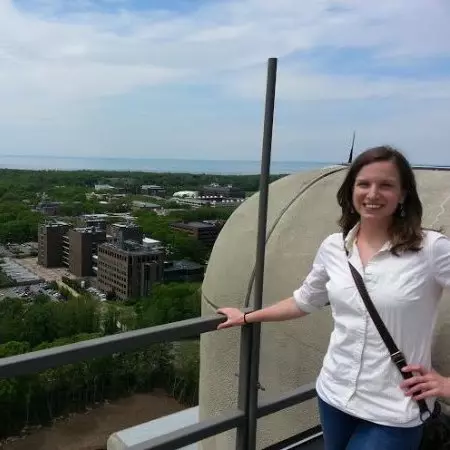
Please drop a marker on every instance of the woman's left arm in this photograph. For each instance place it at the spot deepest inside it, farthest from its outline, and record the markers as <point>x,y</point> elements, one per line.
<point>440,260</point>
<point>424,382</point>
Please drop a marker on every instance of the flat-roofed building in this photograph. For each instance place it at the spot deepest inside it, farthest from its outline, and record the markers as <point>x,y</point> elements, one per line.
<point>183,270</point>
<point>214,190</point>
<point>152,189</point>
<point>121,232</point>
<point>48,208</point>
<point>205,232</point>
<point>145,205</point>
<point>50,243</point>
<point>129,270</point>
<point>82,246</point>
<point>96,221</point>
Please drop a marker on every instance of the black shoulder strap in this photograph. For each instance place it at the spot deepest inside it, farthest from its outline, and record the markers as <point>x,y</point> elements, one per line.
<point>396,355</point>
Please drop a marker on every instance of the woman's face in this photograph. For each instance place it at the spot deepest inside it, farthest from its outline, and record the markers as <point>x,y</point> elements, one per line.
<point>377,191</point>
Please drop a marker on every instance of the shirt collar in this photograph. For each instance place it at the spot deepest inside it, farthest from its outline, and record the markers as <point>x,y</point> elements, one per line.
<point>350,241</point>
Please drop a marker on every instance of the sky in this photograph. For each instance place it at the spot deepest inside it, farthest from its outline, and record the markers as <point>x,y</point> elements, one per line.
<point>187,78</point>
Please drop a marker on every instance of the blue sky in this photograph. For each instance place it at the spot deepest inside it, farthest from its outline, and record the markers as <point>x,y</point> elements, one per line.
<point>186,78</point>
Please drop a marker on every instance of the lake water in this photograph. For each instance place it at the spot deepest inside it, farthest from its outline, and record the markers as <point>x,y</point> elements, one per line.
<point>153,165</point>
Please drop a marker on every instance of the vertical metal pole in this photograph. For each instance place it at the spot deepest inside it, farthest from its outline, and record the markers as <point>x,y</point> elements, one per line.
<point>244,384</point>
<point>260,250</point>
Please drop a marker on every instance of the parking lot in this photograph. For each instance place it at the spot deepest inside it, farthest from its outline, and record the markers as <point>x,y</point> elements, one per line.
<point>22,291</point>
<point>48,274</point>
<point>18,272</point>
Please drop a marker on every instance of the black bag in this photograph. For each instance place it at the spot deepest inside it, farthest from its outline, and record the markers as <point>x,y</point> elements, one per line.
<point>436,431</point>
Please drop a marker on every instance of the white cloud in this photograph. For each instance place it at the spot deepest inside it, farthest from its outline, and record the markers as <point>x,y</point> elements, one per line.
<point>221,36</point>
<point>296,83</point>
<point>53,64</point>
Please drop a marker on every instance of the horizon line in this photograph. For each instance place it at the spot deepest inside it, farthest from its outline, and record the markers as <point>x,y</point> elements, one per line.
<point>160,159</point>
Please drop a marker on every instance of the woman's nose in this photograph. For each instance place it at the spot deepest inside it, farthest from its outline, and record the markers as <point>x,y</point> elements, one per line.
<point>373,191</point>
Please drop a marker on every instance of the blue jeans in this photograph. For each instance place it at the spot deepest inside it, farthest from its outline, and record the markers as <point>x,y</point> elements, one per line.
<point>342,431</point>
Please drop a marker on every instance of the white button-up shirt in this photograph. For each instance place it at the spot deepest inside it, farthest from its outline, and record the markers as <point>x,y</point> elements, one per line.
<point>358,376</point>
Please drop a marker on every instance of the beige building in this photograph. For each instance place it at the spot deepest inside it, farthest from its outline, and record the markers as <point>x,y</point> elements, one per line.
<point>302,212</point>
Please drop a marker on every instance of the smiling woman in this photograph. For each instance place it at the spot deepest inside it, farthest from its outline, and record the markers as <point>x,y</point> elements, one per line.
<point>383,247</point>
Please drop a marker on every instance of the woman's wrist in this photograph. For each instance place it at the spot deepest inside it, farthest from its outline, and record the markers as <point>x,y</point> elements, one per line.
<point>245,319</point>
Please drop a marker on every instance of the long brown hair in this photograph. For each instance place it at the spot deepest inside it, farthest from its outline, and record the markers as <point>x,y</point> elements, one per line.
<point>406,228</point>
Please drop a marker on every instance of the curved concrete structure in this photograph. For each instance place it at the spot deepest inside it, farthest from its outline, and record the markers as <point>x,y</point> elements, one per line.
<point>302,212</point>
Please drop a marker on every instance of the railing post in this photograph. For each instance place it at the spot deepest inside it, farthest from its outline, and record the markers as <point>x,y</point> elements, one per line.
<point>250,344</point>
<point>244,384</point>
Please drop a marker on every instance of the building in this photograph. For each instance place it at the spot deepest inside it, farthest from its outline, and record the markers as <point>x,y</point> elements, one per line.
<point>121,232</point>
<point>205,232</point>
<point>183,270</point>
<point>48,208</point>
<point>151,243</point>
<point>145,205</point>
<point>214,190</point>
<point>104,187</point>
<point>185,194</point>
<point>94,220</point>
<point>153,190</point>
<point>80,250</point>
<point>50,243</point>
<point>209,202</point>
<point>128,270</point>
<point>211,196</point>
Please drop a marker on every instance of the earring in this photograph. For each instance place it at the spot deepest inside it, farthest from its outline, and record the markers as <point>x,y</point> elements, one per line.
<point>402,210</point>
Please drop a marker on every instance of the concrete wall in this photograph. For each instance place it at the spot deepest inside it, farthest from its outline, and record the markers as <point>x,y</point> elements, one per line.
<point>302,211</point>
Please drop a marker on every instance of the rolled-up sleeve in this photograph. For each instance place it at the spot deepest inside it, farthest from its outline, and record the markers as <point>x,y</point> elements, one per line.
<point>441,260</point>
<point>312,294</point>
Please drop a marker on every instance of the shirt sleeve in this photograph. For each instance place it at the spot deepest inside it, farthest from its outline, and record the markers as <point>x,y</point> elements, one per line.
<point>312,294</point>
<point>441,260</point>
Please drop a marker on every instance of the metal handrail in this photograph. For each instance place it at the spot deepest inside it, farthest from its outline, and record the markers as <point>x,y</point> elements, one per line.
<point>225,422</point>
<point>40,360</point>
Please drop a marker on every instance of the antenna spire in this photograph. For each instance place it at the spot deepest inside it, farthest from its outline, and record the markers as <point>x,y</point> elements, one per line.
<point>350,156</point>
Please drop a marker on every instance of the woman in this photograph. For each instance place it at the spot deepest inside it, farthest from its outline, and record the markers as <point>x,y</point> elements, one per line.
<point>364,403</point>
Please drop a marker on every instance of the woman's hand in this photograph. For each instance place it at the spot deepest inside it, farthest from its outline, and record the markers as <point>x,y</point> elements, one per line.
<point>235,317</point>
<point>425,383</point>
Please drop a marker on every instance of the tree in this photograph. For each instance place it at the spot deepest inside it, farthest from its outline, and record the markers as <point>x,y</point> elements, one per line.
<point>169,303</point>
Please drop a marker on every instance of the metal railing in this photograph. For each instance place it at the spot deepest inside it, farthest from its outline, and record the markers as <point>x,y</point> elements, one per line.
<point>37,361</point>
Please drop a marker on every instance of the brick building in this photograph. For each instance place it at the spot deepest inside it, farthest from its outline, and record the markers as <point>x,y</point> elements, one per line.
<point>50,243</point>
<point>80,248</point>
<point>205,232</point>
<point>129,270</point>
